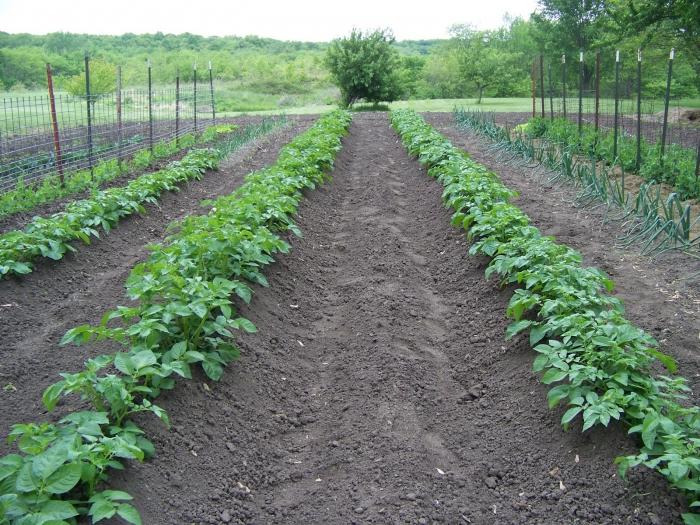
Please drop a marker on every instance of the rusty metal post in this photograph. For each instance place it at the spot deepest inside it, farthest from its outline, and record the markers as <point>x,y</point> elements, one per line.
<point>177,108</point>
<point>119,115</point>
<point>542,82</point>
<point>597,89</point>
<point>211,92</point>
<point>667,98</point>
<point>88,98</point>
<point>54,125</point>
<point>563,83</point>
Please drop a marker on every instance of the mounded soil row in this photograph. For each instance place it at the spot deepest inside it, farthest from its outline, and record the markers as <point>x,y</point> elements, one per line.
<point>36,310</point>
<point>661,295</point>
<point>379,388</point>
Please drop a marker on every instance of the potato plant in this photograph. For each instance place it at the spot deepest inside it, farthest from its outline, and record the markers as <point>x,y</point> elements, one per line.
<point>598,363</point>
<point>184,316</point>
<point>52,237</point>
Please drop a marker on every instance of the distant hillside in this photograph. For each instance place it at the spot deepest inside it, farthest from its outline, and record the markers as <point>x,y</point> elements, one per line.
<point>261,63</point>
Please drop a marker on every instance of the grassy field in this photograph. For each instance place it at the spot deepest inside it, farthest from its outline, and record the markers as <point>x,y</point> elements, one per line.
<point>487,104</point>
<point>233,99</point>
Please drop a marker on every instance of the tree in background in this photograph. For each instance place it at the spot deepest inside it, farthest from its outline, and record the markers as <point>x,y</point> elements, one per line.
<point>570,25</point>
<point>365,66</point>
<point>655,20</point>
<point>482,61</point>
<point>103,79</point>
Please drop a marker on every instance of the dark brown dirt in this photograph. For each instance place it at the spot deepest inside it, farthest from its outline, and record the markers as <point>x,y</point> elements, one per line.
<point>379,388</point>
<point>658,295</point>
<point>36,310</point>
<point>19,220</point>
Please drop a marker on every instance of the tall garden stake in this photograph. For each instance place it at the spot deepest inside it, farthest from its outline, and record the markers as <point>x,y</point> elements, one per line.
<point>211,92</point>
<point>119,114</point>
<point>580,91</point>
<point>667,98</point>
<point>194,101</point>
<point>88,99</point>
<point>563,83</point>
<point>616,120</point>
<point>150,108</point>
<point>54,125</point>
<point>639,109</point>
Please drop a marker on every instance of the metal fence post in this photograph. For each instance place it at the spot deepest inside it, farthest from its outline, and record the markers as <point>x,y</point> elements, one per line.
<point>54,125</point>
<point>550,89</point>
<point>542,82</point>
<point>666,101</point>
<point>639,109</point>
<point>697,163</point>
<point>580,90</point>
<point>533,84</point>
<point>597,89</point>
<point>563,83</point>
<point>150,108</point>
<point>119,115</point>
<point>195,97</point>
<point>617,103</point>
<point>177,108</point>
<point>211,92</point>
<point>88,98</point>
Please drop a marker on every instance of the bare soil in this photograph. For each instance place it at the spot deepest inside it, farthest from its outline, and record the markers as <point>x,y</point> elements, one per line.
<point>379,387</point>
<point>36,310</point>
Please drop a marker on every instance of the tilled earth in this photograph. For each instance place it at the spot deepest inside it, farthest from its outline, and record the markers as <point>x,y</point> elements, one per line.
<point>378,389</point>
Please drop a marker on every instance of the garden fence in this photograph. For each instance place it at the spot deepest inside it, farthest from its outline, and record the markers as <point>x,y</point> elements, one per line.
<point>618,92</point>
<point>56,133</point>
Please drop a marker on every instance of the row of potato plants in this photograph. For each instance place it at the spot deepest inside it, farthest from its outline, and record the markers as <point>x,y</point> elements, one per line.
<point>27,196</point>
<point>598,363</point>
<point>184,317</point>
<point>52,236</point>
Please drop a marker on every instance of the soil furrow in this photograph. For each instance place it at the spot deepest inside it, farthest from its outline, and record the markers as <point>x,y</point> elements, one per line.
<point>658,295</point>
<point>37,309</point>
<point>379,388</point>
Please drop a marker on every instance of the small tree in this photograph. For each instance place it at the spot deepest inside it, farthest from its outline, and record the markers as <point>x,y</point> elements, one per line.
<point>103,80</point>
<point>365,66</point>
<point>481,61</point>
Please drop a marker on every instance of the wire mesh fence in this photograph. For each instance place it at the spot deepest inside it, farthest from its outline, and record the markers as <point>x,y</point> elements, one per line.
<point>639,98</point>
<point>59,133</point>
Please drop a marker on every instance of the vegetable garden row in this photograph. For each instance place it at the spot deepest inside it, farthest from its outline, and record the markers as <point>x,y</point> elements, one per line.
<point>182,314</point>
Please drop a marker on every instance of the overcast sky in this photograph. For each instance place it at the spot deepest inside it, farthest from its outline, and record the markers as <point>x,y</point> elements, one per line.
<point>307,20</point>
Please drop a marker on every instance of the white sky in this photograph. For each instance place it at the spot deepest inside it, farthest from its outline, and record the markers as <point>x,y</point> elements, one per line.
<point>306,20</point>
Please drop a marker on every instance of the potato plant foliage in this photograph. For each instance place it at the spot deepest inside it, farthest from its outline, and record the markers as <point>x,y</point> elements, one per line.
<point>52,237</point>
<point>598,363</point>
<point>184,317</point>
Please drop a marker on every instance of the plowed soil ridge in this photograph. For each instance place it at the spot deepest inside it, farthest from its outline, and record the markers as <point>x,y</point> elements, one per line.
<point>379,388</point>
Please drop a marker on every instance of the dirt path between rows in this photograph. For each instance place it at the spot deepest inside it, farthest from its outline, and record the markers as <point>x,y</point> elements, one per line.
<point>379,388</point>
<point>37,309</point>
<point>657,294</point>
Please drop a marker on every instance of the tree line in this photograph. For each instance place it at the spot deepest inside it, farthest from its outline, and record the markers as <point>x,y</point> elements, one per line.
<point>471,63</point>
